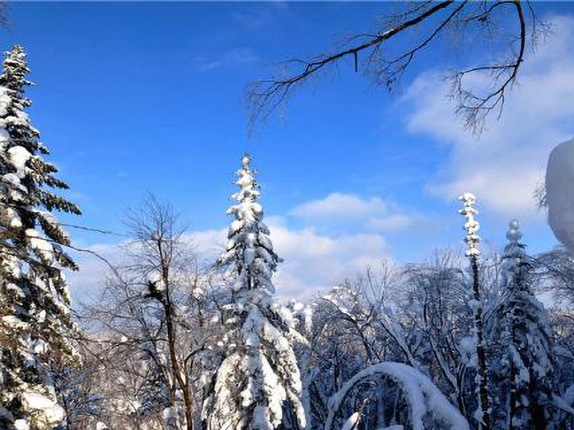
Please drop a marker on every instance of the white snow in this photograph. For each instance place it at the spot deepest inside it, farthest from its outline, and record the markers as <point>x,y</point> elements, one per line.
<point>40,244</point>
<point>19,156</point>
<point>423,397</point>
<point>14,322</point>
<point>46,412</point>
<point>11,218</point>
<point>352,422</point>
<point>21,425</point>
<point>5,101</point>
<point>471,225</point>
<point>4,136</point>
<point>560,192</point>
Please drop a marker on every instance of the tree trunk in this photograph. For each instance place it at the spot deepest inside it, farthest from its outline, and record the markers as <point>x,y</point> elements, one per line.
<point>177,370</point>
<point>483,395</point>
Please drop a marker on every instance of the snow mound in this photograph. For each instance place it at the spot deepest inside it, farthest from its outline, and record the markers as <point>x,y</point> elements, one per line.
<point>560,192</point>
<point>45,411</point>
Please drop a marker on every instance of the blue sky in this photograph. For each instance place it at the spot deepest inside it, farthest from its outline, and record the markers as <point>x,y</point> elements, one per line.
<point>136,97</point>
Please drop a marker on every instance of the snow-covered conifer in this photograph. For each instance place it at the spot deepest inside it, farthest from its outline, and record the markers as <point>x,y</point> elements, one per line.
<point>471,226</point>
<point>258,384</point>
<point>34,299</point>
<point>529,366</point>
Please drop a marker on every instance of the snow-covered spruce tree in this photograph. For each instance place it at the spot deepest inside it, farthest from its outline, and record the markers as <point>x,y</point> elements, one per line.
<point>34,299</point>
<point>471,226</point>
<point>527,339</point>
<point>257,385</point>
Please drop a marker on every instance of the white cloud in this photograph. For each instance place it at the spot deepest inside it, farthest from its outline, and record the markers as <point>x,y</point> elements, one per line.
<point>393,222</point>
<point>337,205</point>
<point>233,58</point>
<point>87,282</point>
<point>505,165</point>
<point>208,243</point>
<point>374,213</point>
<point>261,17</point>
<point>312,261</point>
<point>315,258</point>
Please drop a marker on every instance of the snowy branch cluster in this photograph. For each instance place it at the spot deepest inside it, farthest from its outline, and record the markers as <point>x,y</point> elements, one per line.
<point>471,226</point>
<point>176,342</point>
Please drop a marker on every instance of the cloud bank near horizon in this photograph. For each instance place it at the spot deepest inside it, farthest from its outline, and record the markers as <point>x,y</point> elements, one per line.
<point>314,259</point>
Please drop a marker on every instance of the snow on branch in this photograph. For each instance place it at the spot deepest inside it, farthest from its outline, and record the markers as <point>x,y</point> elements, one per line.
<point>471,225</point>
<point>422,396</point>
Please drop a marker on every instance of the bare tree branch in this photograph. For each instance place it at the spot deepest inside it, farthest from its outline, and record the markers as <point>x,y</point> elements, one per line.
<point>474,105</point>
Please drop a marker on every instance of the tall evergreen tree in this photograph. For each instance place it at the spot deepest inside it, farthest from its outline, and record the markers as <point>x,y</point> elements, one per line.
<point>257,385</point>
<point>529,365</point>
<point>34,299</point>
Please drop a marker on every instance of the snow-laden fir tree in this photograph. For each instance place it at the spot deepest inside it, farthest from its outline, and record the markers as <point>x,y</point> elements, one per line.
<point>527,339</point>
<point>34,299</point>
<point>258,384</point>
<point>472,239</point>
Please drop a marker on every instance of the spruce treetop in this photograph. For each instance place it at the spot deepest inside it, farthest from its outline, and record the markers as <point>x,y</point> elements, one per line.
<point>515,265</point>
<point>514,248</point>
<point>27,178</point>
<point>15,70</point>
<point>249,257</point>
<point>471,225</point>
